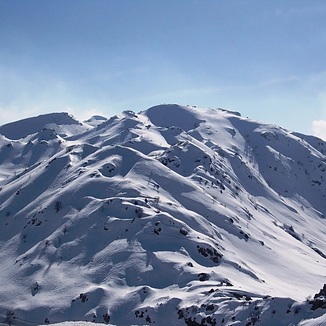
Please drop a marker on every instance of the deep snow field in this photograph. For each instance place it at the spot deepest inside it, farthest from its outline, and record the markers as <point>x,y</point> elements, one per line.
<point>172,216</point>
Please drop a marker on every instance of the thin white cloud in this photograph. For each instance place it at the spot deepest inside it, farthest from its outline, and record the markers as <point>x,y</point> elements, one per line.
<point>319,128</point>
<point>280,80</point>
<point>83,115</point>
<point>13,112</point>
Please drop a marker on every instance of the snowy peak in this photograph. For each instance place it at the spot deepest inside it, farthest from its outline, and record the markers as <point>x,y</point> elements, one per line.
<point>173,115</point>
<point>95,120</point>
<point>184,117</point>
<point>22,128</point>
<point>174,215</point>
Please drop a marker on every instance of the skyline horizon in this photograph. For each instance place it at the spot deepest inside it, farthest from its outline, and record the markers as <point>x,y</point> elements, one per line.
<point>263,59</point>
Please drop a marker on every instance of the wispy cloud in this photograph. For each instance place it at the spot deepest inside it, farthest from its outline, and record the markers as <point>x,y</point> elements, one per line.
<point>319,128</point>
<point>280,80</point>
<point>83,115</point>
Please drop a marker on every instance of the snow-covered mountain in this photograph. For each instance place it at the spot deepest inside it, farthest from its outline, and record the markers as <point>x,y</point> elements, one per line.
<point>171,216</point>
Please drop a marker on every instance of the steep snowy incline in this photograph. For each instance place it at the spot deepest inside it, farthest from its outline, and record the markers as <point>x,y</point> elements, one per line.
<point>175,215</point>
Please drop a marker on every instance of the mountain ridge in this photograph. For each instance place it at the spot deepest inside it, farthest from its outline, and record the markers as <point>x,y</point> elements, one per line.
<point>174,214</point>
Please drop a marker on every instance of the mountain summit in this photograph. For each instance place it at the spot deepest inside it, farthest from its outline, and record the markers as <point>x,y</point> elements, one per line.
<point>172,216</point>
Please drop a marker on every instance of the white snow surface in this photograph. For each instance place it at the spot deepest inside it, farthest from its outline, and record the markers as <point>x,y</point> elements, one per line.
<point>76,323</point>
<point>172,216</point>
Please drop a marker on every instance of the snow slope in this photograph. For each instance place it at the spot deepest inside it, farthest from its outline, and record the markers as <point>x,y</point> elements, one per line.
<point>173,216</point>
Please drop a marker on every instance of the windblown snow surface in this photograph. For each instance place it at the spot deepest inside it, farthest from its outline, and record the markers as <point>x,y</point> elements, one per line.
<point>172,216</point>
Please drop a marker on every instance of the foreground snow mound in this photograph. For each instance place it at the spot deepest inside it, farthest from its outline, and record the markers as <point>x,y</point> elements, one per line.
<point>175,215</point>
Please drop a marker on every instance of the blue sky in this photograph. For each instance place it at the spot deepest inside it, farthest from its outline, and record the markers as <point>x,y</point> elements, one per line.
<point>263,58</point>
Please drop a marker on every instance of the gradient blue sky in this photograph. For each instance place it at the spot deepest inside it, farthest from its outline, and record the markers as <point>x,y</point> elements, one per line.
<point>263,58</point>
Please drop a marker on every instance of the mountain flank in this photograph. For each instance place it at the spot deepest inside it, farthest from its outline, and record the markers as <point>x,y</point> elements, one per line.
<point>175,215</point>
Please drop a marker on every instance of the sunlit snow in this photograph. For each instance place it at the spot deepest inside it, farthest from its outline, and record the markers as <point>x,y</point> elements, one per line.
<point>172,216</point>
